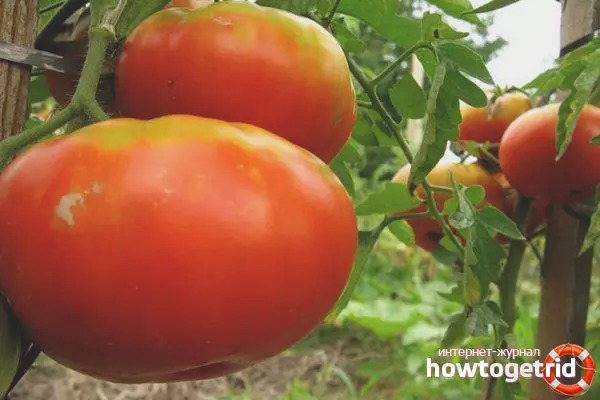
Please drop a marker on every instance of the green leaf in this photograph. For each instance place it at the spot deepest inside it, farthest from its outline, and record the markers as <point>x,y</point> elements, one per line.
<point>433,145</point>
<point>457,9</point>
<point>343,174</point>
<point>466,60</point>
<point>444,256</point>
<point>382,16</point>
<point>497,221</point>
<point>489,254</point>
<point>464,216</point>
<point>366,243</point>
<point>475,194</point>
<point>456,295</point>
<point>347,39</point>
<point>394,197</point>
<point>593,233</point>
<point>433,28</point>
<point>596,140</point>
<point>10,347</point>
<point>403,232</point>
<point>462,87</point>
<point>456,331</point>
<point>571,108</point>
<point>471,286</point>
<point>408,98</point>
<point>492,6</point>
<point>350,153</point>
<point>482,317</point>
<point>362,132</point>
<point>125,16</point>
<point>546,81</point>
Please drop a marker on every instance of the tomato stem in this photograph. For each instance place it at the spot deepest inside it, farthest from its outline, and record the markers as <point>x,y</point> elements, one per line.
<point>389,70</point>
<point>329,18</point>
<point>507,285</point>
<point>393,127</point>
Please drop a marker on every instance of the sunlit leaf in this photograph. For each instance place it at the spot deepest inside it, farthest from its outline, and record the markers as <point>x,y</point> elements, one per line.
<point>408,98</point>
<point>493,5</point>
<point>466,60</point>
<point>393,197</point>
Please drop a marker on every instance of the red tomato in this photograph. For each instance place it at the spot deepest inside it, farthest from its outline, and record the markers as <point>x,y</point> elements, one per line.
<point>240,62</point>
<point>180,248</point>
<point>487,124</point>
<point>428,232</point>
<point>528,156</point>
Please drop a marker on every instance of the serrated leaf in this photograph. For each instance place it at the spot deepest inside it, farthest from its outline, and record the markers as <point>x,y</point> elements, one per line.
<point>457,9</point>
<point>444,256</point>
<point>456,331</point>
<point>456,295</point>
<point>462,87</point>
<point>491,6</point>
<point>343,174</point>
<point>408,98</point>
<point>471,286</point>
<point>350,152</point>
<point>487,252</point>
<point>467,60</point>
<point>571,108</point>
<point>497,221</point>
<point>403,232</point>
<point>593,233</point>
<point>347,39</point>
<point>10,347</point>
<point>382,16</point>
<point>433,28</point>
<point>366,243</point>
<point>546,81</point>
<point>464,216</point>
<point>362,132</point>
<point>433,145</point>
<point>481,318</point>
<point>394,197</point>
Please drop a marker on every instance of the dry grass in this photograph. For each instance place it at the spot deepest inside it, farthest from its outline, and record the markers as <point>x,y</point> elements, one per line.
<point>269,380</point>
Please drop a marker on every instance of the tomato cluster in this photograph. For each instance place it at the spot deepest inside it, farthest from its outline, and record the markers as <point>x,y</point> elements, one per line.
<point>207,233</point>
<point>525,140</point>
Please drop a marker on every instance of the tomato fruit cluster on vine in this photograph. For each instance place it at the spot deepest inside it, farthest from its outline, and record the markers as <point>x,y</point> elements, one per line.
<point>202,231</point>
<point>521,140</point>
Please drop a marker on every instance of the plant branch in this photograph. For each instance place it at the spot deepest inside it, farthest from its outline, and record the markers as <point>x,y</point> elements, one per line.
<point>391,219</point>
<point>389,70</point>
<point>364,104</point>
<point>507,284</point>
<point>393,127</point>
<point>329,18</point>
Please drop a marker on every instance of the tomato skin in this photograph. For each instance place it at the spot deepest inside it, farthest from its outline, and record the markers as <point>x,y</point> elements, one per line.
<point>528,156</point>
<point>240,62</point>
<point>488,124</point>
<point>180,248</point>
<point>428,232</point>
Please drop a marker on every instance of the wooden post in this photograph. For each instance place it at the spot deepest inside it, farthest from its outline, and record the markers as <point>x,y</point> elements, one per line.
<point>18,24</point>
<point>565,276</point>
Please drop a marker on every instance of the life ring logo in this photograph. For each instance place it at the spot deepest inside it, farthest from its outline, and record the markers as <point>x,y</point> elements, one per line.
<point>552,365</point>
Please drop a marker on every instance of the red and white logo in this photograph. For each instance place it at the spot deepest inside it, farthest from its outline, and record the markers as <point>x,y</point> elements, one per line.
<point>584,359</point>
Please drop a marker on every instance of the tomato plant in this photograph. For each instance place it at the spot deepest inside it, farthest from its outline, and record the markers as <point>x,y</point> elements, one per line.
<point>428,231</point>
<point>241,62</point>
<point>528,156</point>
<point>488,124</point>
<point>180,248</point>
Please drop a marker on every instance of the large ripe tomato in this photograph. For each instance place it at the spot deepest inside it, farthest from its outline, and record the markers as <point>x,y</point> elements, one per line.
<point>62,86</point>
<point>241,62</point>
<point>528,156</point>
<point>487,124</point>
<point>428,232</point>
<point>180,248</point>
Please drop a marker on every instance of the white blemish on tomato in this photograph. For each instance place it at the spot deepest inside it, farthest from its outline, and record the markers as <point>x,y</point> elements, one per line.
<point>65,205</point>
